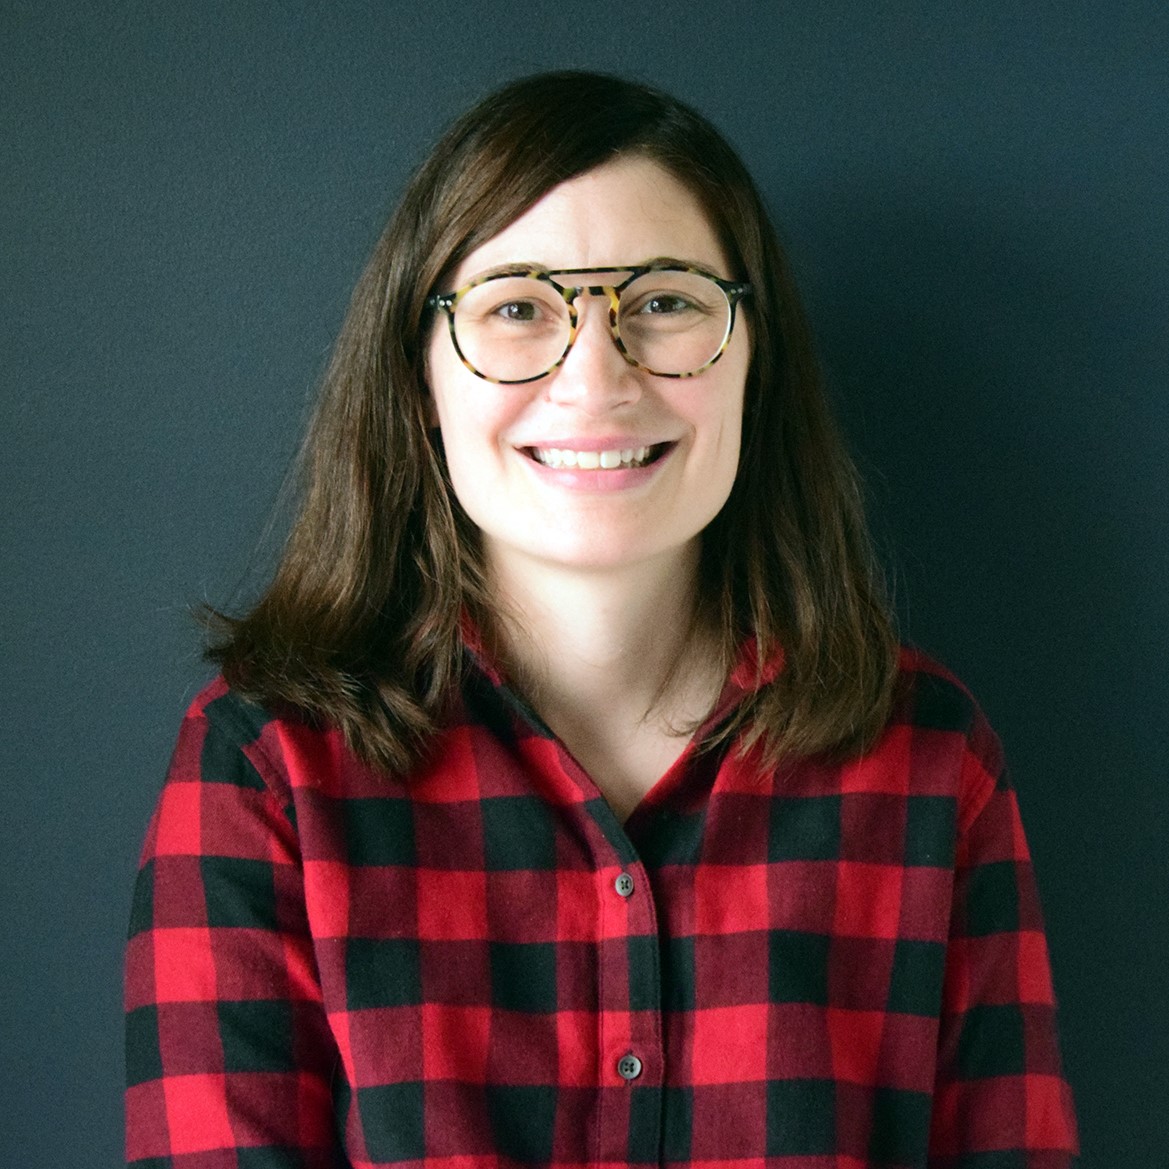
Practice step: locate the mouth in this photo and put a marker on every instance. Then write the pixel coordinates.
(614, 460)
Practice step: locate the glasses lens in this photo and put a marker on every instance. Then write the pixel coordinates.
(674, 322)
(510, 328)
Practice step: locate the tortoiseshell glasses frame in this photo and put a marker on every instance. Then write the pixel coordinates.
(448, 302)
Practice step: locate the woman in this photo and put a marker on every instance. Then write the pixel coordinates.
(565, 799)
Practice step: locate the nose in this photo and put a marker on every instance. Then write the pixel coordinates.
(594, 377)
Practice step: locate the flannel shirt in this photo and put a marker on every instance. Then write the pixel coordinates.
(824, 965)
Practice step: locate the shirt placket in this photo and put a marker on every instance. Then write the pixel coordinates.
(630, 1065)
(631, 1068)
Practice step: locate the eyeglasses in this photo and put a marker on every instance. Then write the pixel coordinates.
(518, 326)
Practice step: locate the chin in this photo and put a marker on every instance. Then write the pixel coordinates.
(593, 554)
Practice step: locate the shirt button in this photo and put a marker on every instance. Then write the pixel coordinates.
(629, 1067)
(624, 885)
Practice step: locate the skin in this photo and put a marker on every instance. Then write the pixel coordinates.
(599, 569)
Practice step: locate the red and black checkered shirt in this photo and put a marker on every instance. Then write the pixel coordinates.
(820, 966)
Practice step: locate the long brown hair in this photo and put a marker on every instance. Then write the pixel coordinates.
(361, 625)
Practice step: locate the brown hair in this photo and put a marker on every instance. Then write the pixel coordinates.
(360, 627)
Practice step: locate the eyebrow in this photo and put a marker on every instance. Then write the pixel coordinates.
(524, 268)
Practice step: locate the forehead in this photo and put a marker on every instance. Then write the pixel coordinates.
(622, 213)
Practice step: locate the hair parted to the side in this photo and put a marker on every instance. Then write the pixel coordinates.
(360, 627)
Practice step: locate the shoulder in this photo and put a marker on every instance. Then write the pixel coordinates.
(929, 695)
(227, 738)
(940, 726)
(232, 716)
(230, 738)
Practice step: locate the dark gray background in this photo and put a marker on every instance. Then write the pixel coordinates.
(975, 196)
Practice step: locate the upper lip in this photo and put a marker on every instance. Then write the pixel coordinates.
(612, 443)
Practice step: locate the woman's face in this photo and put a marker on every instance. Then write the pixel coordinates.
(498, 438)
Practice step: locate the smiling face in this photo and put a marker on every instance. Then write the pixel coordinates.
(598, 464)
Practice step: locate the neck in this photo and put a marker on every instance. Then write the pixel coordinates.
(585, 644)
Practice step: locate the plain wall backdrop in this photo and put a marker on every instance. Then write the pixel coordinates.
(975, 198)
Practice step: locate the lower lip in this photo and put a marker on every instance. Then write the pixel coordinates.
(618, 479)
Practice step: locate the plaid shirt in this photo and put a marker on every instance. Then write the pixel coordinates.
(820, 967)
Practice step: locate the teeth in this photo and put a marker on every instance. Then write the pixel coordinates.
(592, 460)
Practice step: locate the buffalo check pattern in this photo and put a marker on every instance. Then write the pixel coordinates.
(824, 966)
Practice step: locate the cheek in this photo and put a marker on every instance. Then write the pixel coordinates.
(463, 465)
(722, 408)
(472, 421)
(729, 429)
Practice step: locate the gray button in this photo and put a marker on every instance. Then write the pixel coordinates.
(629, 1067)
(624, 885)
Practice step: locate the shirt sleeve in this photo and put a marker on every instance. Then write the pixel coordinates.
(227, 1044)
(1000, 1097)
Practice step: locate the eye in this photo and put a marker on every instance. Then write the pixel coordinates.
(664, 303)
(672, 298)
(521, 311)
